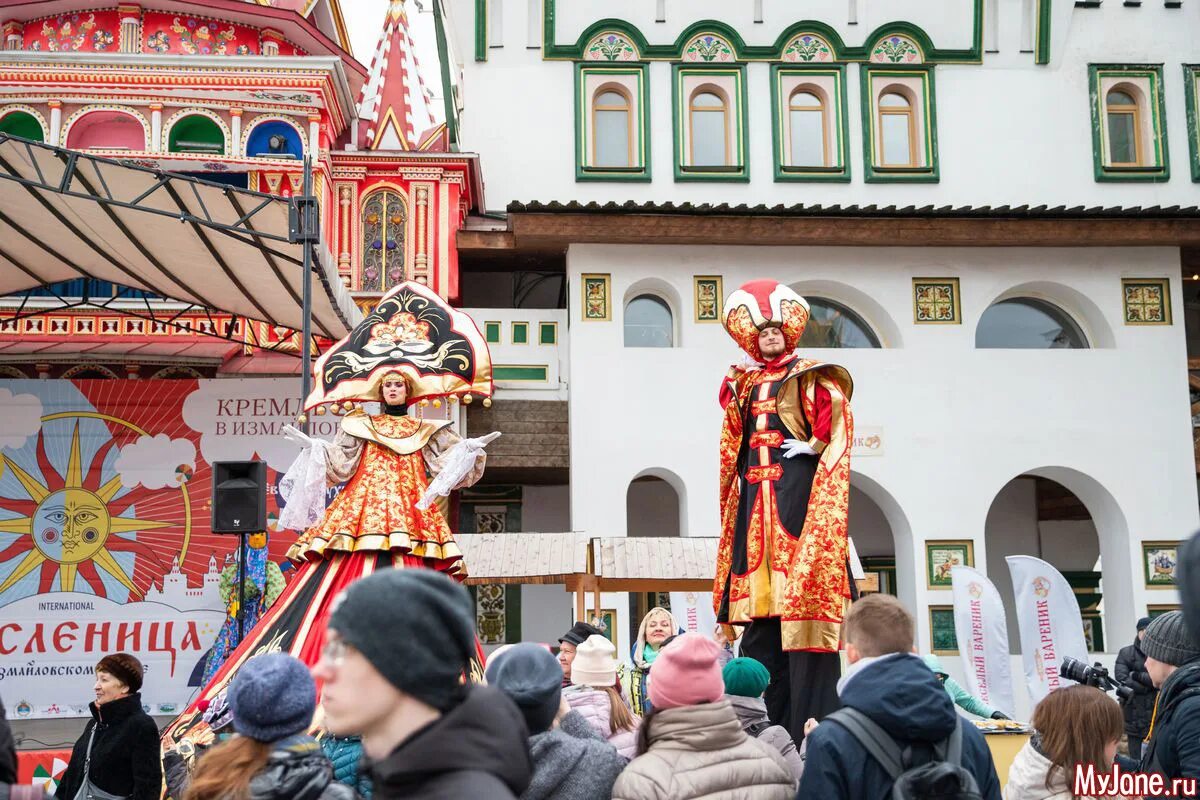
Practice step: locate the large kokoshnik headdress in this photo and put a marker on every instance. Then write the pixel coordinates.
(764, 304)
(412, 331)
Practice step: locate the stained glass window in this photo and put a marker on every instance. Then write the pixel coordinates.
(383, 229)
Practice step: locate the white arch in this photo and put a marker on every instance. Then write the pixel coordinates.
(261, 118)
(1118, 568)
(1078, 306)
(182, 114)
(902, 536)
(31, 111)
(663, 291)
(671, 479)
(85, 110)
(858, 301)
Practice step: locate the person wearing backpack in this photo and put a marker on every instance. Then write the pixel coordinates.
(897, 723)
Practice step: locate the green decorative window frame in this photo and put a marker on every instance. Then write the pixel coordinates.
(1191, 89)
(520, 333)
(930, 172)
(548, 333)
(840, 172)
(641, 172)
(530, 373)
(491, 331)
(673, 51)
(481, 30)
(1159, 172)
(739, 173)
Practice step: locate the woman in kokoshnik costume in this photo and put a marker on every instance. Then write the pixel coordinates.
(411, 348)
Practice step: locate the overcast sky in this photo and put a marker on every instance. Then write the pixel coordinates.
(364, 19)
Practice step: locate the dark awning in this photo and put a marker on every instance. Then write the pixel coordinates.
(67, 215)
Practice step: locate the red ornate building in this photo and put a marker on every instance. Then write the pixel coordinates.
(237, 92)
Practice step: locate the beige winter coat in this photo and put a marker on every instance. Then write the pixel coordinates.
(1027, 779)
(702, 752)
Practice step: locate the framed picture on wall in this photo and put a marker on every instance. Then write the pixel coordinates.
(1093, 632)
(943, 641)
(1158, 609)
(607, 622)
(1158, 564)
(943, 554)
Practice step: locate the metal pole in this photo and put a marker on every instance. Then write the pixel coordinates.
(306, 218)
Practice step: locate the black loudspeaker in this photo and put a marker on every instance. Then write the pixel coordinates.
(239, 496)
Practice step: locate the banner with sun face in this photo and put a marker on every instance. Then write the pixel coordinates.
(105, 491)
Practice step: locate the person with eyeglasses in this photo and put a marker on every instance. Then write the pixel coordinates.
(394, 671)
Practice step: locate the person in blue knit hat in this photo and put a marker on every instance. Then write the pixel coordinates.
(272, 699)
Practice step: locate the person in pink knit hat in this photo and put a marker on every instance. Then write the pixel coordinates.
(691, 744)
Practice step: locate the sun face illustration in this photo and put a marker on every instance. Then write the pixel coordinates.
(73, 521)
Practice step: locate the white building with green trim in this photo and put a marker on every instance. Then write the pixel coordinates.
(976, 197)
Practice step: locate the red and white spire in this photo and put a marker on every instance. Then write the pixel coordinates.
(396, 107)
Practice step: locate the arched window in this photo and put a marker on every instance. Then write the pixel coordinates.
(1028, 323)
(1124, 125)
(23, 124)
(648, 322)
(612, 129)
(831, 324)
(196, 133)
(274, 139)
(384, 217)
(708, 122)
(897, 131)
(806, 122)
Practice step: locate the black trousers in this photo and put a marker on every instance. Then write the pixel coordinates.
(1135, 746)
(802, 685)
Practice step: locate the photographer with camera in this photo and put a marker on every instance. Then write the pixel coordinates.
(1130, 671)
(1173, 663)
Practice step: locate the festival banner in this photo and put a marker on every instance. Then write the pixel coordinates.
(1049, 621)
(694, 612)
(982, 631)
(105, 503)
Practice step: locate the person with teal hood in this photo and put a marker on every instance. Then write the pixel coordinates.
(961, 697)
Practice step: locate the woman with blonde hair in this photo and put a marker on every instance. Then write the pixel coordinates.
(272, 698)
(1076, 727)
(657, 627)
(595, 694)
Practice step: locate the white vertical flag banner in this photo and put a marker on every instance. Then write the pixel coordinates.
(1049, 621)
(694, 612)
(982, 631)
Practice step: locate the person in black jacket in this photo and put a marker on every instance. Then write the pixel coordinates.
(1173, 661)
(398, 647)
(1131, 671)
(123, 738)
(893, 687)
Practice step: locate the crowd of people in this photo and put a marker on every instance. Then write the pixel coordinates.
(397, 718)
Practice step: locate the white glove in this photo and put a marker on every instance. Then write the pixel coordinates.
(484, 441)
(795, 447)
(293, 434)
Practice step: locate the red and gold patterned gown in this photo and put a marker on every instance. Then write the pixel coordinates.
(373, 523)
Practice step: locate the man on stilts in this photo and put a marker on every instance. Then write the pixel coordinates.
(782, 566)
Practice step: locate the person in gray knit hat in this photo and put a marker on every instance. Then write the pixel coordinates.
(570, 759)
(1173, 662)
(395, 671)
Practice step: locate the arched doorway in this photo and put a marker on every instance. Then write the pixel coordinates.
(882, 538)
(1070, 521)
(654, 505)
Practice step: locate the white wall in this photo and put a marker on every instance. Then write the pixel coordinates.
(958, 424)
(1009, 131)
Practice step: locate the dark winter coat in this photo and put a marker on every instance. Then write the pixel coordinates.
(346, 752)
(1131, 671)
(480, 749)
(1174, 746)
(125, 755)
(572, 762)
(901, 695)
(298, 769)
(752, 715)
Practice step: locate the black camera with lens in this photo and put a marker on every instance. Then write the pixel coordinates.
(1096, 675)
